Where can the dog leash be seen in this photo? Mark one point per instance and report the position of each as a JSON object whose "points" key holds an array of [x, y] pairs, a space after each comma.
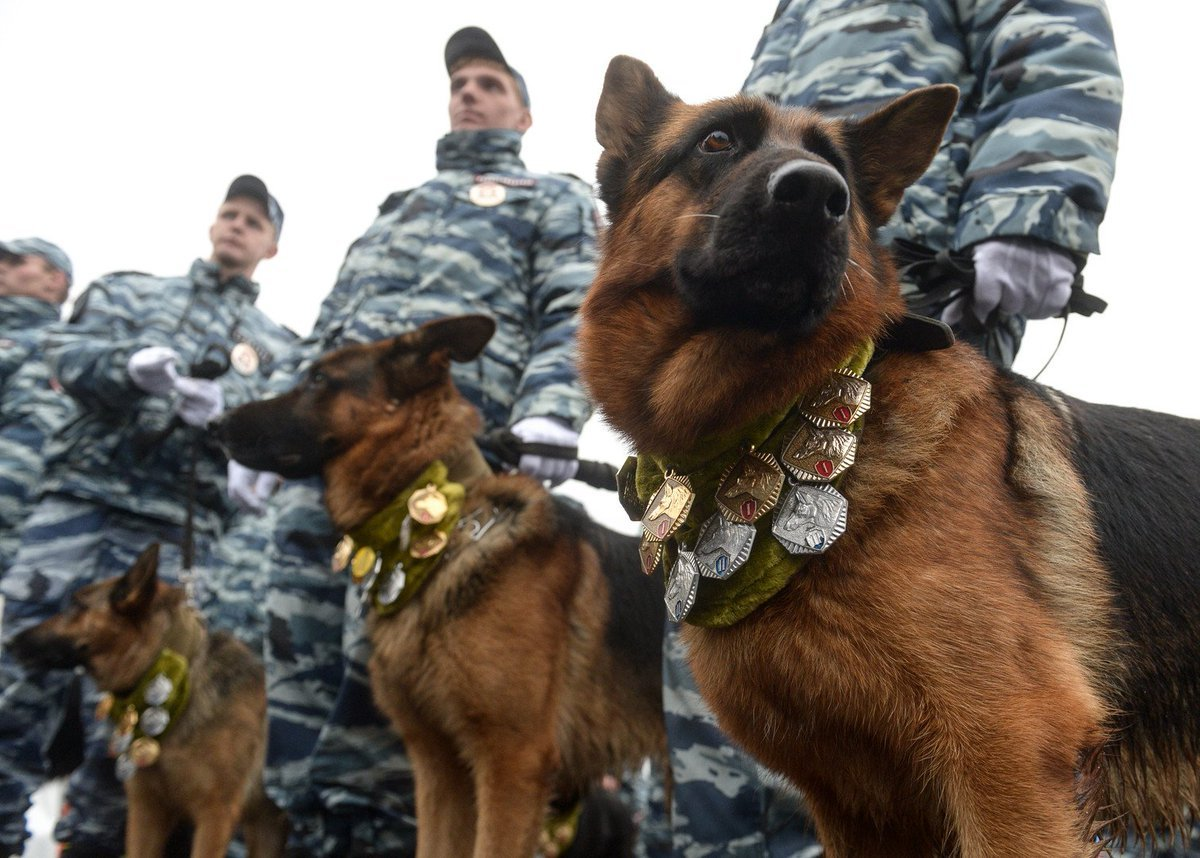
{"points": [[508, 448]]}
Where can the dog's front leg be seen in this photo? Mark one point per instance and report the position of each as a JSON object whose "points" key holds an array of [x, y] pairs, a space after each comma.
{"points": [[445, 797], [214, 829], [512, 782], [149, 822]]}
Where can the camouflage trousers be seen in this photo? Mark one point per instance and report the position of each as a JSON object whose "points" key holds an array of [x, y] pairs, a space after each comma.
{"points": [[66, 543], [332, 760], [721, 805], [234, 576]]}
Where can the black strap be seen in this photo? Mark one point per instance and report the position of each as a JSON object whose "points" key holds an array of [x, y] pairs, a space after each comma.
{"points": [[508, 448]]}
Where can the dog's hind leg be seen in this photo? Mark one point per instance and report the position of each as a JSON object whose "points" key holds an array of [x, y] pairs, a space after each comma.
{"points": [[445, 797], [264, 827]]}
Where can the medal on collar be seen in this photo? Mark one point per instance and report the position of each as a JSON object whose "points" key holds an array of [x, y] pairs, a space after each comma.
{"points": [[244, 359], [428, 505], [428, 544], [669, 507], [723, 546], [682, 584], [144, 752], [810, 519], [391, 589], [650, 551], [841, 400], [340, 558], [363, 563], [817, 455], [627, 489], [750, 487], [487, 193]]}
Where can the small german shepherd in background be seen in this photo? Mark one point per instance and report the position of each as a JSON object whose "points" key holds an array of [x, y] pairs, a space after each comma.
{"points": [[527, 665], [209, 766], [1001, 654]]}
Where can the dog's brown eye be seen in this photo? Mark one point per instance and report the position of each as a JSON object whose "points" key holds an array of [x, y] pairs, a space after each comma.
{"points": [[717, 141]]}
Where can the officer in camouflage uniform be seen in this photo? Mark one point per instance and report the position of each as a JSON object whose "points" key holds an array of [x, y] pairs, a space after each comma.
{"points": [[1020, 185], [35, 277], [149, 361], [485, 235]]}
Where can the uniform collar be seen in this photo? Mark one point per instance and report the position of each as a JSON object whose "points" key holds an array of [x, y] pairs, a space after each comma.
{"points": [[480, 151], [204, 273], [18, 312]]}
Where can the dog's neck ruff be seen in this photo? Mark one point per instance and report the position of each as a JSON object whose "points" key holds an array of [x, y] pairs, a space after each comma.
{"points": [[735, 519], [143, 716], [393, 553]]}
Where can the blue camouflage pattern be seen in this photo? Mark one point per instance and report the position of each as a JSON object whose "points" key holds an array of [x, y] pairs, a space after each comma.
{"points": [[332, 760], [31, 408]]}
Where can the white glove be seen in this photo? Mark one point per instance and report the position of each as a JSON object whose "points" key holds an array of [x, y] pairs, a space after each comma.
{"points": [[200, 400], [153, 369], [546, 430], [1021, 276], [250, 489]]}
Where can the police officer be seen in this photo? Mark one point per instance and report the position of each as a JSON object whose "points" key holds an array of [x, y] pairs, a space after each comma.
{"points": [[485, 235], [149, 362]]}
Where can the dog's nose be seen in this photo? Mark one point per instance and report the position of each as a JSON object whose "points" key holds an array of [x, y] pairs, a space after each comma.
{"points": [[812, 186]]}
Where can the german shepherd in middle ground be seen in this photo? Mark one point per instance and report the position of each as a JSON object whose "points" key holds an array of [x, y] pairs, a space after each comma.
{"points": [[206, 767], [1000, 654], [527, 665]]}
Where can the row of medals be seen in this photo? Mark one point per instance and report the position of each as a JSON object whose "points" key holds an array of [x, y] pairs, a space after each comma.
{"points": [[811, 516], [133, 754], [426, 506]]}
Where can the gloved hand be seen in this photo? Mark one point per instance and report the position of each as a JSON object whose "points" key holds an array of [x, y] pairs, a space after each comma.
{"points": [[546, 430], [200, 400], [153, 369], [250, 489], [1020, 276]]}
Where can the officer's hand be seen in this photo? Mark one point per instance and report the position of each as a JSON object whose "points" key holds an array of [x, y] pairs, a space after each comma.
{"points": [[547, 430], [153, 369], [1021, 277], [200, 400], [250, 489]]}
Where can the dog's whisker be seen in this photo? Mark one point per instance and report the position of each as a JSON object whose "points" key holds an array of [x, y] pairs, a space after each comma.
{"points": [[698, 214]]}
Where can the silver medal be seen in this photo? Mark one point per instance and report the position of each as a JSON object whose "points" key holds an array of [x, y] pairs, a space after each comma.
{"points": [[119, 743], [154, 720], [159, 690], [125, 767], [390, 591], [681, 586], [723, 546], [810, 518]]}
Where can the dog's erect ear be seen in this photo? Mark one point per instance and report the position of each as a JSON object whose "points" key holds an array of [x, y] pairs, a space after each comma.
{"points": [[463, 337], [892, 147], [632, 97], [134, 593]]}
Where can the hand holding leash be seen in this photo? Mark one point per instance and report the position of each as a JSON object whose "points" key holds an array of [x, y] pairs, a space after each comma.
{"points": [[1017, 276], [507, 447], [547, 430], [250, 489], [153, 369]]}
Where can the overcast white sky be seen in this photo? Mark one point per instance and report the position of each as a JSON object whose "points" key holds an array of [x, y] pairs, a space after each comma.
{"points": [[125, 121]]}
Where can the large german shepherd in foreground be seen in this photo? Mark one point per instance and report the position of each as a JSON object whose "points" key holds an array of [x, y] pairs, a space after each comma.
{"points": [[1000, 655], [189, 714], [525, 662]]}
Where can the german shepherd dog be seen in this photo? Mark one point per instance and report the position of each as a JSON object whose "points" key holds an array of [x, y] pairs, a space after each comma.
{"points": [[526, 665], [1000, 655], [205, 766]]}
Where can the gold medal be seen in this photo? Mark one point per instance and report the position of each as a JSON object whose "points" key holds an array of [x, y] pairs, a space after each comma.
{"points": [[750, 487], [650, 550], [487, 194], [104, 707], [669, 507], [129, 719], [144, 752], [362, 563], [428, 544], [244, 359], [342, 554], [428, 505], [818, 455], [844, 398]]}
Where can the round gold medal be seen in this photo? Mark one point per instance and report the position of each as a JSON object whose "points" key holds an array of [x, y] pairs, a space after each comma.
{"points": [[362, 562], [427, 505], [244, 359], [428, 544], [144, 751], [104, 707], [487, 194], [341, 554], [128, 721]]}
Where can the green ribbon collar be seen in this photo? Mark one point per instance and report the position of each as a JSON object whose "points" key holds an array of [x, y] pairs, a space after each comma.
{"points": [[165, 686]]}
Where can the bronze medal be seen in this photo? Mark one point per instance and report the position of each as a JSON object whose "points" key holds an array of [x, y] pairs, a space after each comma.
{"points": [[723, 546], [428, 505], [682, 585], [144, 752], [129, 719], [818, 455], [627, 489], [104, 707], [810, 519], [428, 544], [844, 398], [487, 194], [244, 359], [362, 563], [340, 558], [650, 550], [750, 487], [668, 508]]}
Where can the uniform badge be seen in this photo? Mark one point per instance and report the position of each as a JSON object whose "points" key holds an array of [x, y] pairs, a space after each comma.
{"points": [[487, 194], [650, 551], [244, 359], [818, 455], [340, 558], [810, 519], [842, 399], [682, 585], [722, 547], [427, 505], [669, 507], [750, 487]]}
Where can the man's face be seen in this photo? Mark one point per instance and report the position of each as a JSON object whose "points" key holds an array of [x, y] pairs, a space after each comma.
{"points": [[242, 236], [483, 95], [31, 276]]}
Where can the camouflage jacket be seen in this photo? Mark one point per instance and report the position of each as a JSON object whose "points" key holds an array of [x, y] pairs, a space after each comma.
{"points": [[1032, 149], [112, 452], [485, 235], [31, 408]]}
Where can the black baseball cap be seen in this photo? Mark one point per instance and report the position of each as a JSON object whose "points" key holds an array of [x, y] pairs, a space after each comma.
{"points": [[474, 43], [256, 189]]}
